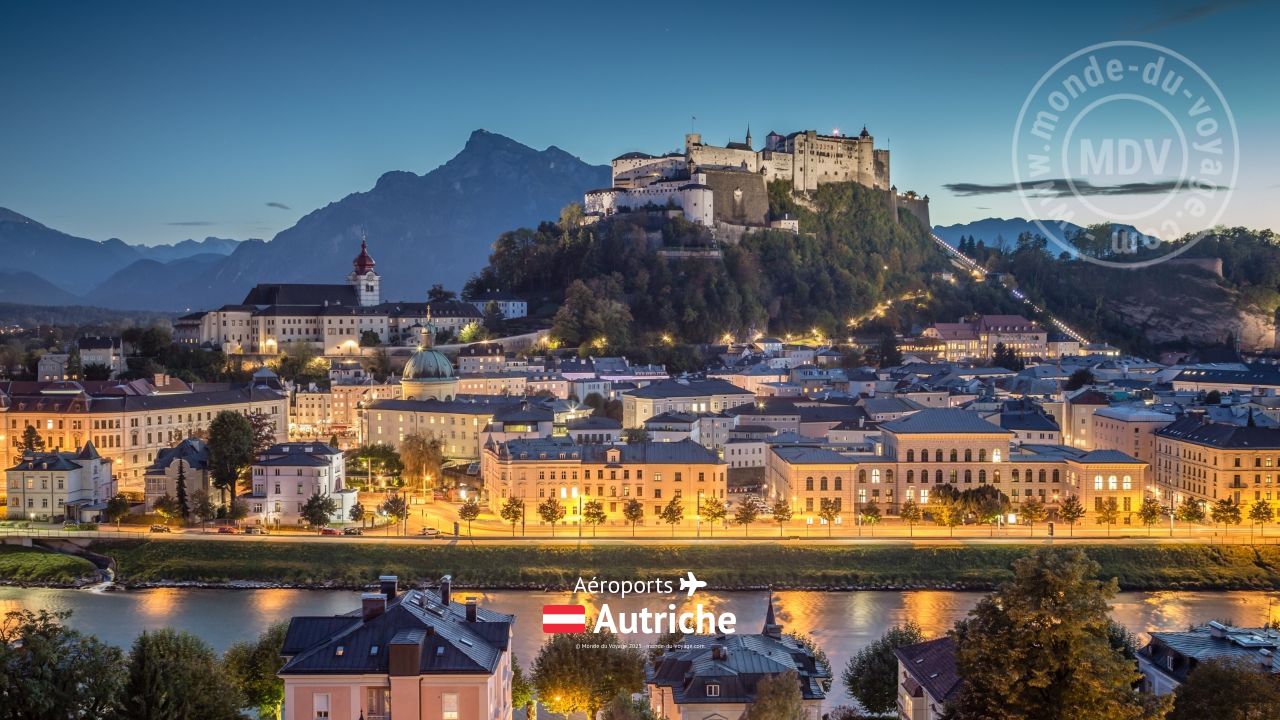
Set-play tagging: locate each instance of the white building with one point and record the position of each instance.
(288, 474)
(53, 485)
(104, 351)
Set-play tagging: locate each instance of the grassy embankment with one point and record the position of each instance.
(1145, 567)
(39, 567)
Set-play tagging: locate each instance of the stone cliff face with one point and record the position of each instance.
(1189, 302)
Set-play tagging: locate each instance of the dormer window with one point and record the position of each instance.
(339, 650)
(713, 689)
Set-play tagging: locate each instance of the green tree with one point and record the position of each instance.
(469, 511)
(423, 458)
(1032, 512)
(75, 366)
(166, 507)
(1078, 379)
(581, 672)
(1150, 512)
(910, 514)
(494, 322)
(237, 510)
(184, 508)
(593, 514)
(635, 436)
(713, 510)
(1039, 647)
(396, 508)
(829, 510)
(97, 372)
(175, 674)
(31, 441)
(778, 698)
(380, 364)
(871, 677)
(781, 512)
(202, 507)
(369, 338)
(523, 693)
(117, 507)
(231, 447)
(252, 668)
(870, 515)
(747, 512)
(513, 512)
(1226, 512)
(1108, 513)
(53, 672)
(622, 707)
(356, 513)
(1261, 513)
(264, 430)
(673, 513)
(551, 511)
(633, 512)
(1190, 511)
(318, 510)
(1071, 511)
(890, 355)
(1226, 690)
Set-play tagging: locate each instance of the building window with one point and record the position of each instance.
(320, 706)
(713, 689)
(449, 706)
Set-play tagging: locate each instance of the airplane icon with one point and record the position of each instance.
(692, 584)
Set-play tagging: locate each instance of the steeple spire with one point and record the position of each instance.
(771, 626)
(749, 135)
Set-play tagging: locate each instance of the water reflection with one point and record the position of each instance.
(842, 622)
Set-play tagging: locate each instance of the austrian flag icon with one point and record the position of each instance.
(564, 618)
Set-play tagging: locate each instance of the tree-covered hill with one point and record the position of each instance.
(616, 282)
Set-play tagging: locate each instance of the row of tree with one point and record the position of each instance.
(53, 671)
(1043, 647)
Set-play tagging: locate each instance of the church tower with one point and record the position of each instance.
(367, 283)
(749, 145)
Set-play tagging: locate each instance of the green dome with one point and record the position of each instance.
(427, 364)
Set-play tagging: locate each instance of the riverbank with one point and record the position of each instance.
(211, 563)
(27, 566)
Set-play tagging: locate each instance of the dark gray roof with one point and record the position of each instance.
(593, 422)
(301, 294)
(684, 451)
(1109, 456)
(932, 664)
(1029, 420)
(47, 461)
(450, 644)
(455, 407)
(1193, 429)
(192, 450)
(692, 388)
(942, 420)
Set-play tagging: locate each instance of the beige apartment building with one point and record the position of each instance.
(653, 473)
(685, 396)
(932, 447)
(1129, 429)
(126, 427)
(460, 424)
(321, 412)
(1208, 461)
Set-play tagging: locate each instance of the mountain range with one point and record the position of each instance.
(422, 229)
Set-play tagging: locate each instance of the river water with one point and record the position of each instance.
(841, 622)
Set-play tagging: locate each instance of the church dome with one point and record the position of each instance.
(363, 263)
(427, 364)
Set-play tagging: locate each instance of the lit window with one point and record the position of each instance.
(449, 706)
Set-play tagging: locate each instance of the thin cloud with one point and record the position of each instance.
(192, 223)
(1193, 14)
(280, 205)
(1064, 188)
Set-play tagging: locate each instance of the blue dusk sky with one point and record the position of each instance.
(155, 122)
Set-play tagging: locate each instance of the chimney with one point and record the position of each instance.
(446, 590)
(372, 605)
(718, 652)
(471, 610)
(389, 586)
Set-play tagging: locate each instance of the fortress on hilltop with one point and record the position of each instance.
(725, 188)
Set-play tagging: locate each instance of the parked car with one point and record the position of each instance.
(257, 530)
(352, 531)
(329, 531)
(70, 525)
(227, 530)
(160, 529)
(429, 532)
